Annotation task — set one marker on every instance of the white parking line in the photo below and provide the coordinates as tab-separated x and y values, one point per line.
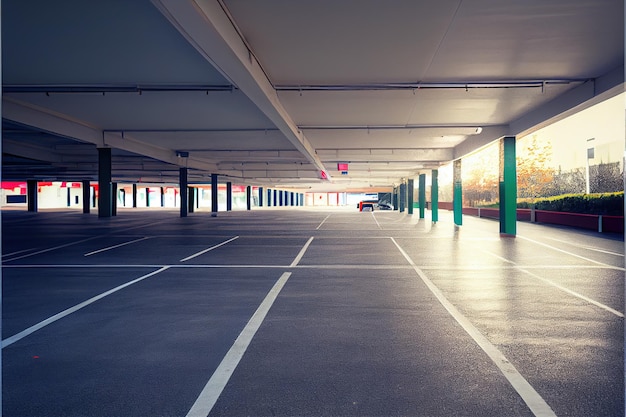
301	253
213	389
6	255
558	286
376	220
587	247
10	340
51	249
531	397
116	246
320	225
563	251
209	249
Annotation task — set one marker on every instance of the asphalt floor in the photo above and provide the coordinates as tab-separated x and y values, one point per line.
307	312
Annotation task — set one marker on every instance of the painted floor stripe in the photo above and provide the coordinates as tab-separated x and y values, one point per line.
558	286
6	255
533	400
209	249
320	266
587	247
323	221
213	389
376	220
32	329
51	249
116	246
301	254
562	251
574	293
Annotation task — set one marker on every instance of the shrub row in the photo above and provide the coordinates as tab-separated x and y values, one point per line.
610	204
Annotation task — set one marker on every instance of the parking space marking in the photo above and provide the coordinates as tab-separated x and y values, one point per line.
116	246
531	397
586	247
6	255
51	249
376	220
32	329
301	253
213	389
209	249
565	252
558	286
323	221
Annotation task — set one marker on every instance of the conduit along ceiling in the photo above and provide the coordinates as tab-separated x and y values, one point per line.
279	92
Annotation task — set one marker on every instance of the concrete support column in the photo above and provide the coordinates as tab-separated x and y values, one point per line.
134	195
191	195
183	186
395	199
402	197
434	196
269	197
105	207
31	195
508	187
229	196
86	196
457	193
214	193
422	195
275	202
162	196
261	196
147	196
409	196
113	199
248	197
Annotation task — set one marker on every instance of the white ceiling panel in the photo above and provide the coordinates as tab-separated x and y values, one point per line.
274	91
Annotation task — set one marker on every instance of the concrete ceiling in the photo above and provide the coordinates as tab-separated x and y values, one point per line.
274	92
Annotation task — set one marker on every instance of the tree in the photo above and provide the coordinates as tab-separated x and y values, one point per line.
480	177
534	176
605	178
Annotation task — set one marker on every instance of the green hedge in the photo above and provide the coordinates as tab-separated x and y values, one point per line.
611	204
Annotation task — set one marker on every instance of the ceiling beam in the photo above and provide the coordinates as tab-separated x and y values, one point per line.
384	155
209	29
62	126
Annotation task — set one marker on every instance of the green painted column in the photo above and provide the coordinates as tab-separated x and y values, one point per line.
402	197
409	195
434	196
508	187
214	193
457	193
248	197
422	195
